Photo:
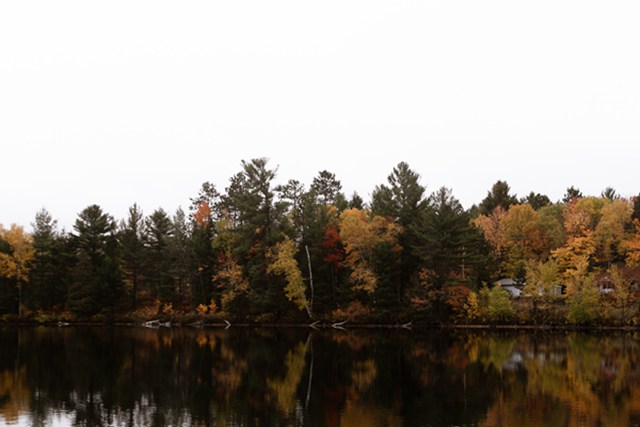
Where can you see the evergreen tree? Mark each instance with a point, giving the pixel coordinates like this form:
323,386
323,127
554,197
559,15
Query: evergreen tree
636,208
180,255
382,201
133,239
571,194
404,201
448,245
536,200
159,231
96,276
498,196
49,275
326,187
203,207
250,199
609,193
356,202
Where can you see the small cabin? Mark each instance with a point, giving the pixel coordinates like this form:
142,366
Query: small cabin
514,288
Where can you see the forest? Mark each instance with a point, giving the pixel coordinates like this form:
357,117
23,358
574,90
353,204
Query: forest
265,253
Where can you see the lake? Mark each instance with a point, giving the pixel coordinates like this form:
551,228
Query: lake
134,376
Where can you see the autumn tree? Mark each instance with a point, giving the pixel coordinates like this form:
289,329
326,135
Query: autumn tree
610,232
494,305
521,236
632,245
490,226
309,213
550,223
283,262
540,281
581,215
360,235
16,253
583,296
232,287
621,304
332,256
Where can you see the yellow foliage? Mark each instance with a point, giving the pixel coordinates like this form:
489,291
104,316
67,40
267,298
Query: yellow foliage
167,309
472,306
609,234
231,281
15,265
577,252
202,310
284,262
632,245
360,234
284,389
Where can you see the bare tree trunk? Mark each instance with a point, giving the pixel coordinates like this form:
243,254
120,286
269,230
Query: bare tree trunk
310,345
19,299
310,310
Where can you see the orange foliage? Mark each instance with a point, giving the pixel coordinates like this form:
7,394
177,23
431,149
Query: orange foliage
490,226
632,245
202,217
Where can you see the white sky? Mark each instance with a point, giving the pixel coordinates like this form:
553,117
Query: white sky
141,101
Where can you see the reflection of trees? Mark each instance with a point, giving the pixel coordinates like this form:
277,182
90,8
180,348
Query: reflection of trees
284,389
580,380
183,376
14,394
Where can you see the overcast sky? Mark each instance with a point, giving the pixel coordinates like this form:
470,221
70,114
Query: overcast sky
141,101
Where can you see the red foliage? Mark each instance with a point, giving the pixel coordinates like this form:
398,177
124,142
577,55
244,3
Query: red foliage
334,254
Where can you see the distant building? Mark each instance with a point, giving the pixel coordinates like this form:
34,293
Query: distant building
514,288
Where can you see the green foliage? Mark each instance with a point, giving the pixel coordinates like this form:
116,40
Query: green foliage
133,239
96,282
571,194
495,305
445,240
583,299
498,196
159,230
536,200
407,255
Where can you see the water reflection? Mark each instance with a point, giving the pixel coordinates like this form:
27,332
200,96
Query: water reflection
264,377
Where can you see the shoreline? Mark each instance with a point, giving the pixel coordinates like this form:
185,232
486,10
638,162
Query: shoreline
330,326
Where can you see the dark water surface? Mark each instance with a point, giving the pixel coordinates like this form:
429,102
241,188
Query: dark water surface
292,376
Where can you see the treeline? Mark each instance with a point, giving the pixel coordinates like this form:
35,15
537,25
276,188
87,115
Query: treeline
266,253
